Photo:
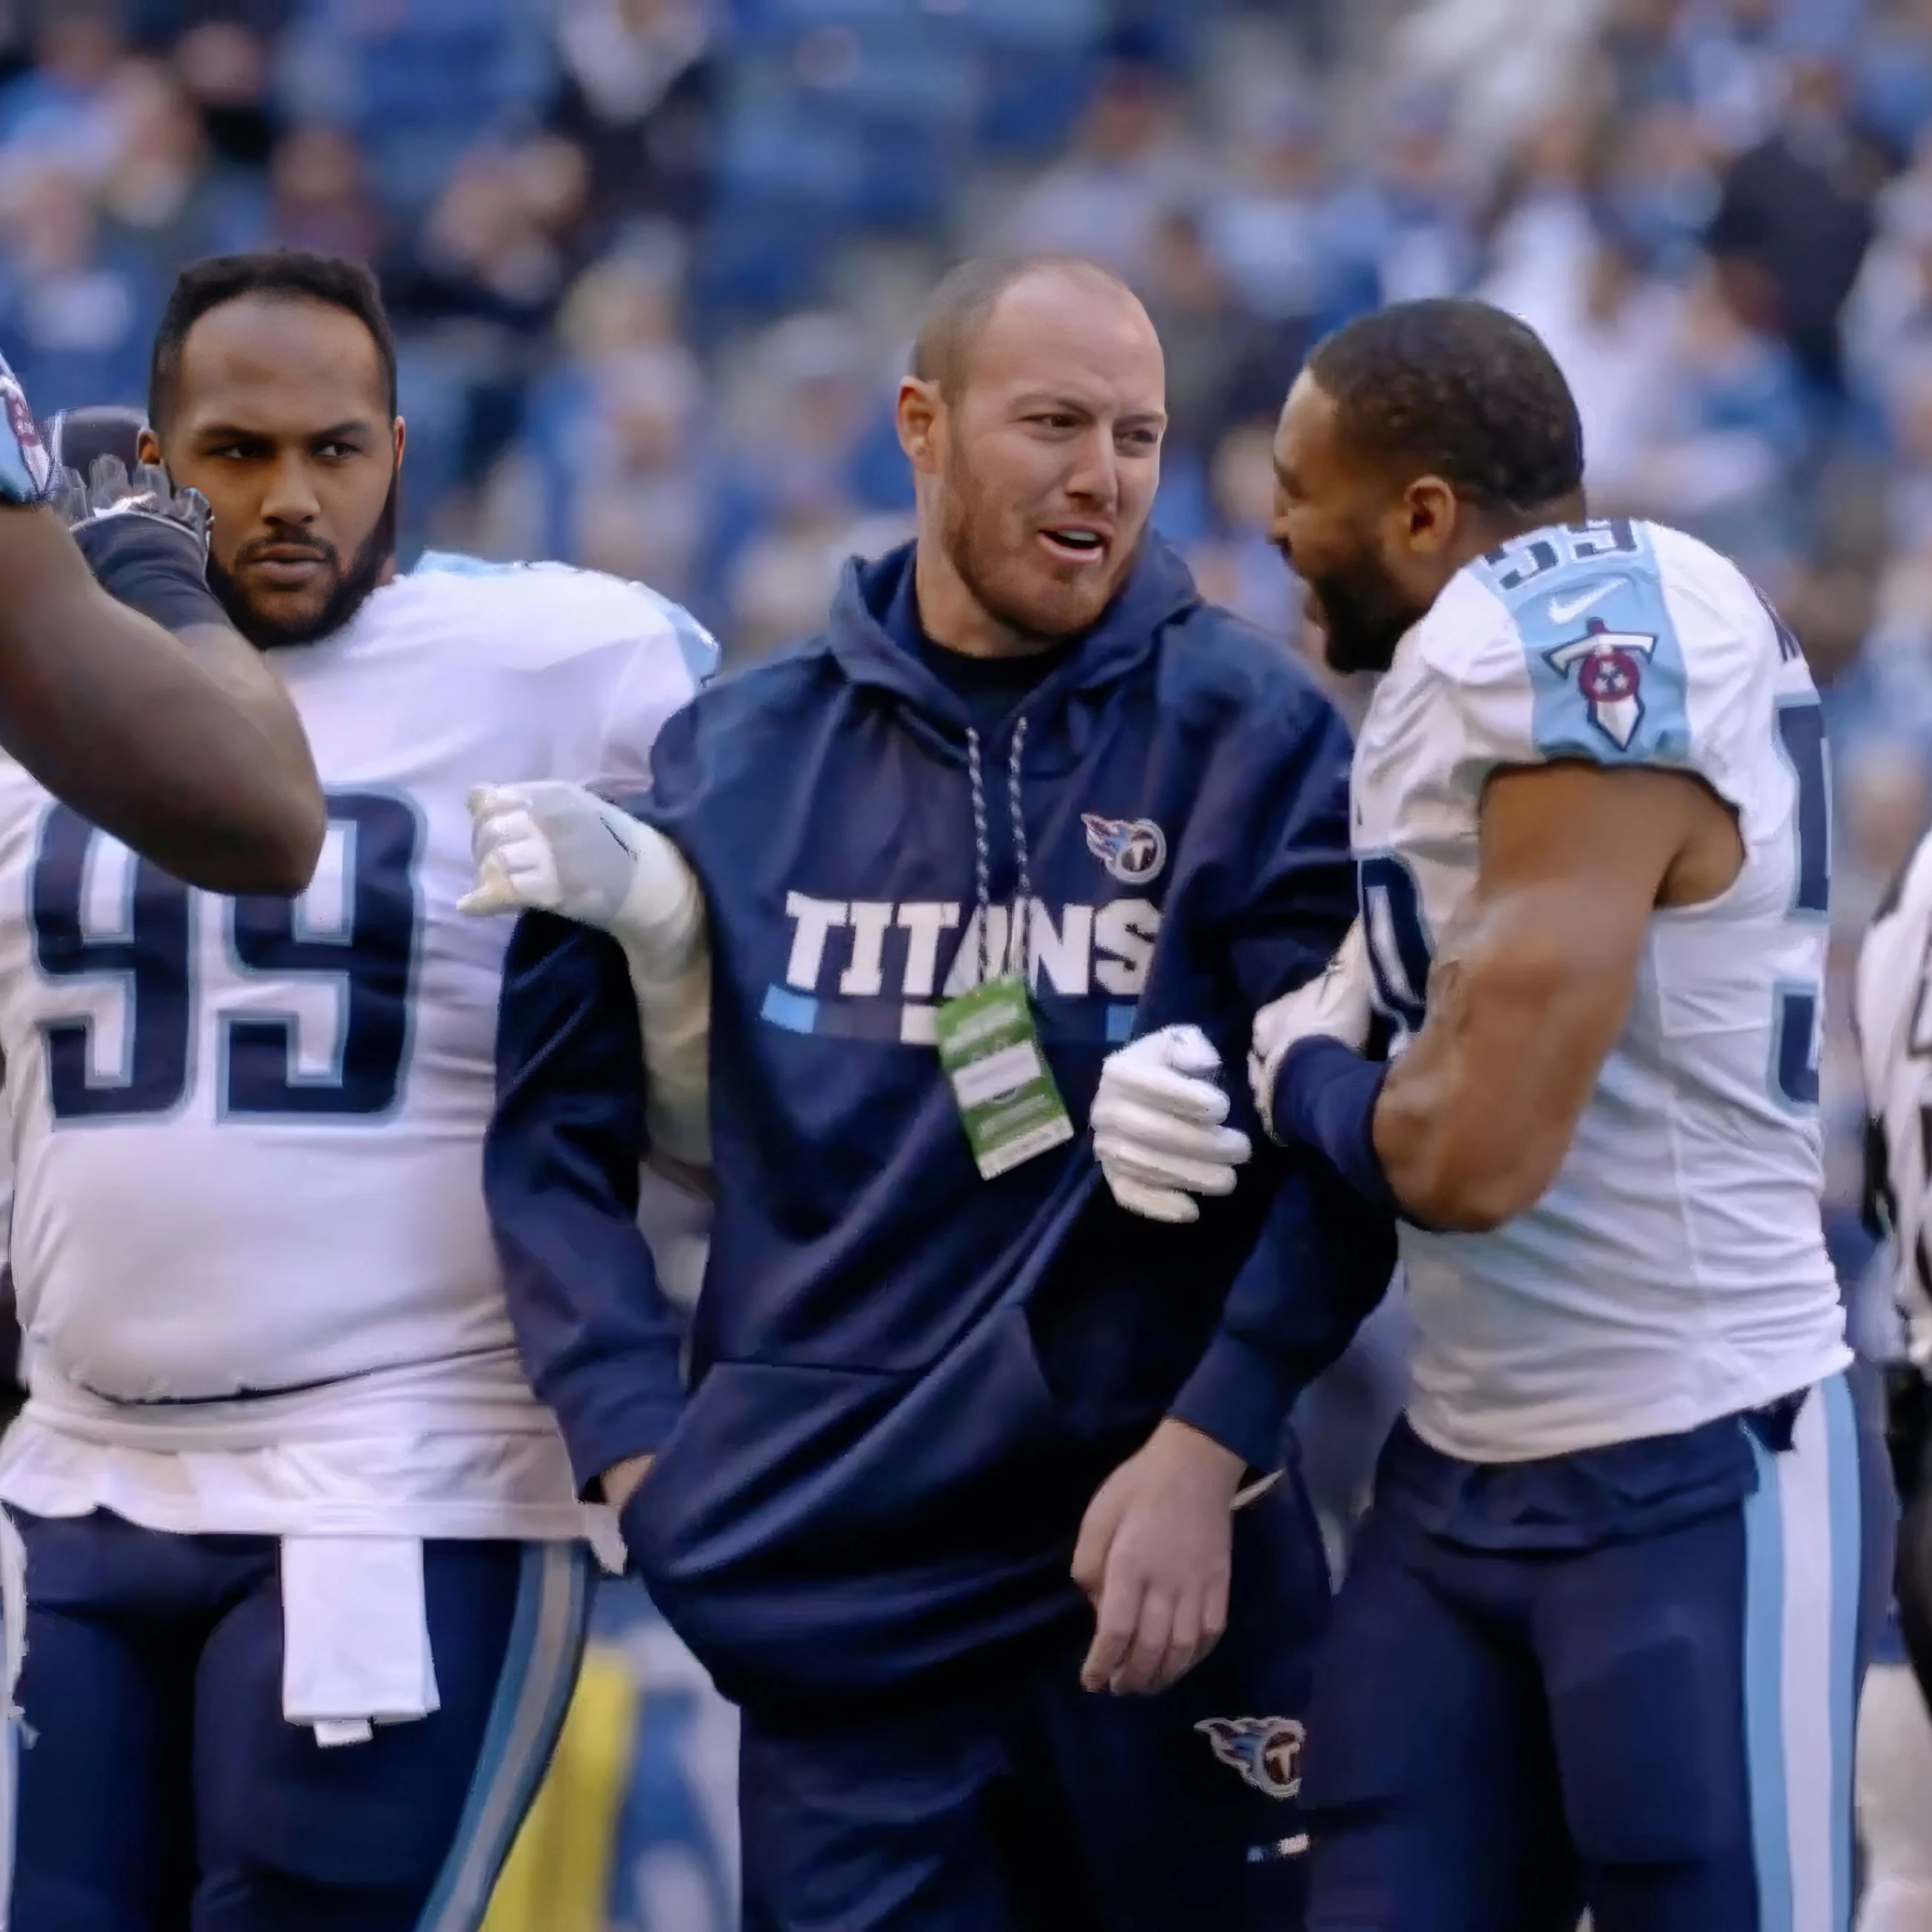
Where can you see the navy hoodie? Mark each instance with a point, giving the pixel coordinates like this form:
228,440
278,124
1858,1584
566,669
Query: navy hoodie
906,1382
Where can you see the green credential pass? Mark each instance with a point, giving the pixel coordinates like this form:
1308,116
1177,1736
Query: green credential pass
1007,1098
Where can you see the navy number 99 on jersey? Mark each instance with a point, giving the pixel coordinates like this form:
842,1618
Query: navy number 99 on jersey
367,958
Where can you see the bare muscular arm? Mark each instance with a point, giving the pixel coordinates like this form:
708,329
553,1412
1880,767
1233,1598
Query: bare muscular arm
187,749
1531,986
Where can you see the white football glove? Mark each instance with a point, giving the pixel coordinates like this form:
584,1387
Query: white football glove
1338,1002
547,846
1157,1120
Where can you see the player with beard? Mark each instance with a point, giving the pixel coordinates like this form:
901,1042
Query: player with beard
1600,1643
307,1566
953,1507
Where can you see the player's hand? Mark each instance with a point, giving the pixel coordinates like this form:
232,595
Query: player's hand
1158,1120
1154,1559
1339,1002
623,1480
97,506
550,847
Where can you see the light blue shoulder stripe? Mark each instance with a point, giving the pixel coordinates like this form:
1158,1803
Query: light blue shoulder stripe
1606,669
699,648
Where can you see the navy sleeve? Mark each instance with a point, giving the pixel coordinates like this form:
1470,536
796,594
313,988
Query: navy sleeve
598,1340
1292,876
1325,1255
1323,1262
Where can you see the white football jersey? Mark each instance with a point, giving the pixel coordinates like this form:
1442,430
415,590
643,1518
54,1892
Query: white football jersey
1892,1011
249,1237
1675,1271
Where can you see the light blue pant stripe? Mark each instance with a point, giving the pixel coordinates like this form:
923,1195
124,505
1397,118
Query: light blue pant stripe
540,1665
1764,1694
1847,1582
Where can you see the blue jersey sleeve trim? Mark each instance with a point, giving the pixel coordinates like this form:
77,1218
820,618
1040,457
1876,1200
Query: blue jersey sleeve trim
1607,671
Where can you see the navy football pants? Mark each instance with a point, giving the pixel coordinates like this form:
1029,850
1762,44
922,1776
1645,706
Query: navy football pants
1038,1807
161,1790
1660,1727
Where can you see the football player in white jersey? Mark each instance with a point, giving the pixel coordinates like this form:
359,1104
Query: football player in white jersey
307,1566
1601,1641
1892,1013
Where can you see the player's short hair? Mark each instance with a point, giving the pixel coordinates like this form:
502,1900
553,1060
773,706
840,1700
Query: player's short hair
963,303
289,274
1458,390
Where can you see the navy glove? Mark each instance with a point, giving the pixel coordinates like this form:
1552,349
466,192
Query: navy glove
145,542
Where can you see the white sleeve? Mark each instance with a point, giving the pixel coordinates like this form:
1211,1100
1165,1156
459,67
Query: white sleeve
672,656
1619,643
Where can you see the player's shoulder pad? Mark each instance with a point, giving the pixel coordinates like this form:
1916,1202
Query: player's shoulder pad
539,614
1607,640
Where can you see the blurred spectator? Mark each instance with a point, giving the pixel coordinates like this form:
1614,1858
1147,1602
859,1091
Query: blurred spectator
1660,185
1238,566
640,512
1729,436
1890,310
225,68
1795,218
1613,329
1196,319
1542,233
1736,69
636,96
498,244
1424,239
1294,244
76,322
1645,61
319,196
1127,167
1893,64
164,196
61,113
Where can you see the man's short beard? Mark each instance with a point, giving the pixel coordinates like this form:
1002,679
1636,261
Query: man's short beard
1364,619
352,590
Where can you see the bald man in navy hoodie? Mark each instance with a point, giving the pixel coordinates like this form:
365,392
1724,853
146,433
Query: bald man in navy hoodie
981,1501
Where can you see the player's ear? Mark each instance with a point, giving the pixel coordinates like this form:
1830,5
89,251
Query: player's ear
402,436
148,447
1431,514
920,408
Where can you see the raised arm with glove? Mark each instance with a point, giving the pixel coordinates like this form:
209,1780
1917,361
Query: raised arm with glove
123,689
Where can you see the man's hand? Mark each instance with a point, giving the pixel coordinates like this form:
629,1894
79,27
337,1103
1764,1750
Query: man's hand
550,847
1154,1559
1157,1121
1339,1002
623,1480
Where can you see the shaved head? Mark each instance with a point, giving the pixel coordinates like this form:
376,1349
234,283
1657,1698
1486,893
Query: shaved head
1034,415
968,297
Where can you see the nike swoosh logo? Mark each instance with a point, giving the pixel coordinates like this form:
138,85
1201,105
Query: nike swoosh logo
1562,609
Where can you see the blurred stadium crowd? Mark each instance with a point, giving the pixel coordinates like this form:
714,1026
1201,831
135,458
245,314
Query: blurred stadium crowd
655,263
